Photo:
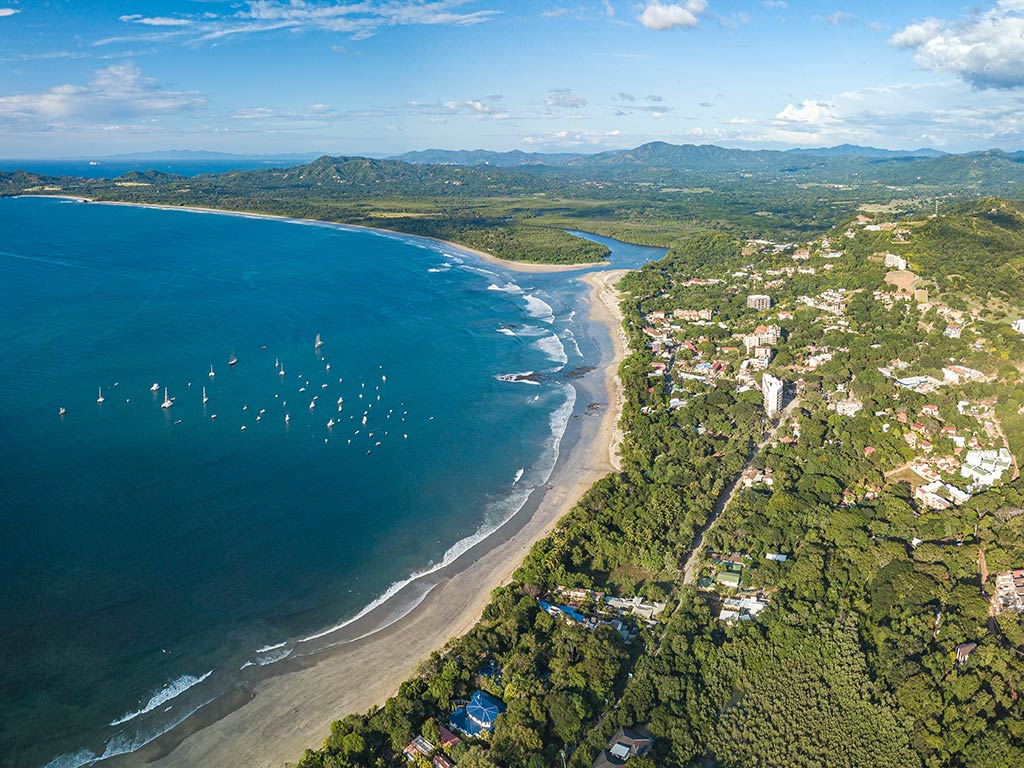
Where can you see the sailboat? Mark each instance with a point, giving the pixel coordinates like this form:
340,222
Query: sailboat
318,343
232,359
63,410
212,374
205,398
167,403
155,387
100,398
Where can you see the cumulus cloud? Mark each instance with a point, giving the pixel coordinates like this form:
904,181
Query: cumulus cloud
986,50
564,98
946,115
658,15
810,111
774,4
117,93
8,11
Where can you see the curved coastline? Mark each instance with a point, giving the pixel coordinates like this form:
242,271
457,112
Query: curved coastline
514,266
272,721
369,655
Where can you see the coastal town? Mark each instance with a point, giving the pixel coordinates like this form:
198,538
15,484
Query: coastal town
830,381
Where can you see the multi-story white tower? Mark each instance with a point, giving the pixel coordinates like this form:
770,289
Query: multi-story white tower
771,388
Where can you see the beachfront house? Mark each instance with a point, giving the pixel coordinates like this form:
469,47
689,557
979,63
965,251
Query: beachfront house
478,714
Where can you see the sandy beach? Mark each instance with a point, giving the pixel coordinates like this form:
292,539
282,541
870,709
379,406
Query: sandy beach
271,724
514,266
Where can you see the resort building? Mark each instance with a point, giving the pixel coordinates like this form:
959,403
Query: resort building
742,607
478,715
759,301
771,388
986,467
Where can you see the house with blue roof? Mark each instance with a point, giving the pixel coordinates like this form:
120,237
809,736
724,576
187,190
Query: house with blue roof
478,715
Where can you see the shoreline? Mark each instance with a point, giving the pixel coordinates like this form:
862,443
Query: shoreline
271,721
514,266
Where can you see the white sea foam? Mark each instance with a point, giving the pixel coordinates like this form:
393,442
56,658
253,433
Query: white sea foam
273,658
442,268
518,378
266,648
507,332
559,421
570,336
536,307
519,475
123,744
73,759
506,288
552,348
165,694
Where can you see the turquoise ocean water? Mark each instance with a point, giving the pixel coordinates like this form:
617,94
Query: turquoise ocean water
154,559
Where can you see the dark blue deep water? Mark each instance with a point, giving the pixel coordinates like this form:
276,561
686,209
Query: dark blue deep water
152,557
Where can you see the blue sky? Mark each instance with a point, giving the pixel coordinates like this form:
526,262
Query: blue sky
383,76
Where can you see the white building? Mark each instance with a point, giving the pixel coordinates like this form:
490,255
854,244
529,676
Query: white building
759,301
986,467
892,261
771,388
1018,325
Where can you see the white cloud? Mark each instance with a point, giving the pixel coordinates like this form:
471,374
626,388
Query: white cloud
565,98
837,18
8,11
774,4
659,16
480,108
986,50
156,21
810,111
609,9
357,19
568,138
115,94
947,115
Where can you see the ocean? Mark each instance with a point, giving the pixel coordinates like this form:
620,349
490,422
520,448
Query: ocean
113,167
154,559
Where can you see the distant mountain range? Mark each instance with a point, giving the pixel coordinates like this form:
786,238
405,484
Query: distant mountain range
689,152
655,167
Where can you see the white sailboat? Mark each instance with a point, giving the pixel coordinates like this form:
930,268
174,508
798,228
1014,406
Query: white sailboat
100,398
167,403
212,374
155,387
232,359
205,398
318,343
